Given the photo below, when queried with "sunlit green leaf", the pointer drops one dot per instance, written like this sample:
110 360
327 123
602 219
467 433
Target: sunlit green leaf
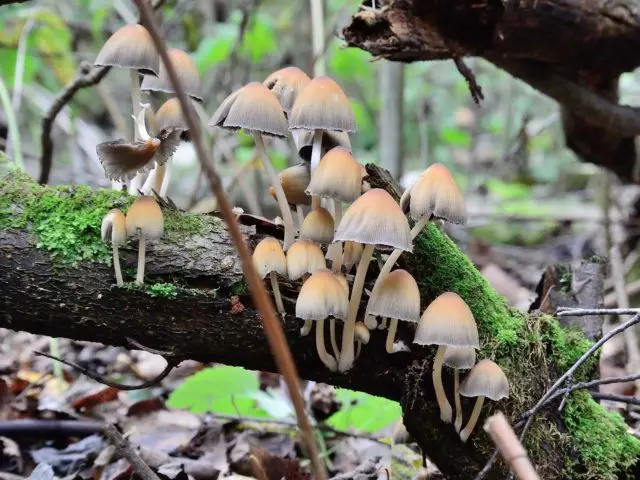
216 49
363 412
259 40
455 137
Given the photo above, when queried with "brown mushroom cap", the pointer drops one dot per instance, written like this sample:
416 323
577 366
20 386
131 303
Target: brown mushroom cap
351 254
294 181
322 296
375 218
362 333
131 47
397 297
304 257
486 379
186 69
286 84
145 215
114 227
338 176
268 257
254 108
322 105
460 357
447 321
317 226
169 115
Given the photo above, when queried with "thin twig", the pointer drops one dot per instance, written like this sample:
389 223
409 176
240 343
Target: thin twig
582 312
126 450
629 399
138 345
273 329
472 83
94 376
593 383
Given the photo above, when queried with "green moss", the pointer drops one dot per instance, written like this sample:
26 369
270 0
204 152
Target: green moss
178 225
165 290
605 450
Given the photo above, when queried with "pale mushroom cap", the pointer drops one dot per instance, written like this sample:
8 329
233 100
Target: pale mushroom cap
447 321
436 192
286 84
322 105
362 333
338 176
352 252
294 181
304 257
130 46
486 379
303 140
375 218
317 226
187 73
460 357
145 215
269 257
169 115
114 227
398 296
322 296
254 108
343 281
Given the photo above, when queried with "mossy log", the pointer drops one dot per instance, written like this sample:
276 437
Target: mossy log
56 279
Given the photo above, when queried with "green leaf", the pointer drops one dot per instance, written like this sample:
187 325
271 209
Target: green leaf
216 49
350 64
455 137
363 412
508 191
259 40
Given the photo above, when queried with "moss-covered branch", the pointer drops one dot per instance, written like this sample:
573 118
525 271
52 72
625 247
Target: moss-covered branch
56 279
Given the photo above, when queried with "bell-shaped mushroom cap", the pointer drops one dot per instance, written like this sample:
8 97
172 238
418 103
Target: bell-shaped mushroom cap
114 227
269 257
145 215
460 357
130 47
338 176
317 226
304 257
322 105
286 84
169 115
322 296
486 379
362 333
447 321
398 297
303 140
122 160
375 218
187 73
294 181
255 108
436 192
343 281
351 254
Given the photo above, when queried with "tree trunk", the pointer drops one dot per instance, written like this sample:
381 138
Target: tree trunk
195 305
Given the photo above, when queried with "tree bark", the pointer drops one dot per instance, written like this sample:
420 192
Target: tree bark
200 310
571 50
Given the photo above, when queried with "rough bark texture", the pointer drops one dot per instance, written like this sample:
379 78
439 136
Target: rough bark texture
198 309
570 50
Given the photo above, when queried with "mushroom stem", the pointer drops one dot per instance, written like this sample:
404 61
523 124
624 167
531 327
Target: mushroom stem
358 348
316 151
393 258
276 293
135 103
289 229
334 252
141 259
391 335
164 177
441 396
306 328
300 216
456 394
370 321
383 323
116 265
327 359
468 429
346 355
332 332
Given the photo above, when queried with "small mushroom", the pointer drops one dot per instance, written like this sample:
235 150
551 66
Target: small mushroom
374 218
371 322
318 226
286 84
269 259
114 228
255 109
144 220
322 296
447 322
187 72
362 336
294 181
459 358
399 299
488 380
351 255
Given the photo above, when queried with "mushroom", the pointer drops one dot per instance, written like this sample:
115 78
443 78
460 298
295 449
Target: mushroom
303 140
144 220
362 336
304 258
294 181
269 259
488 380
321 106
338 177
447 321
371 322
318 226
114 228
399 299
374 218
187 72
434 193
351 255
256 110
322 296
286 84
170 115
459 358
